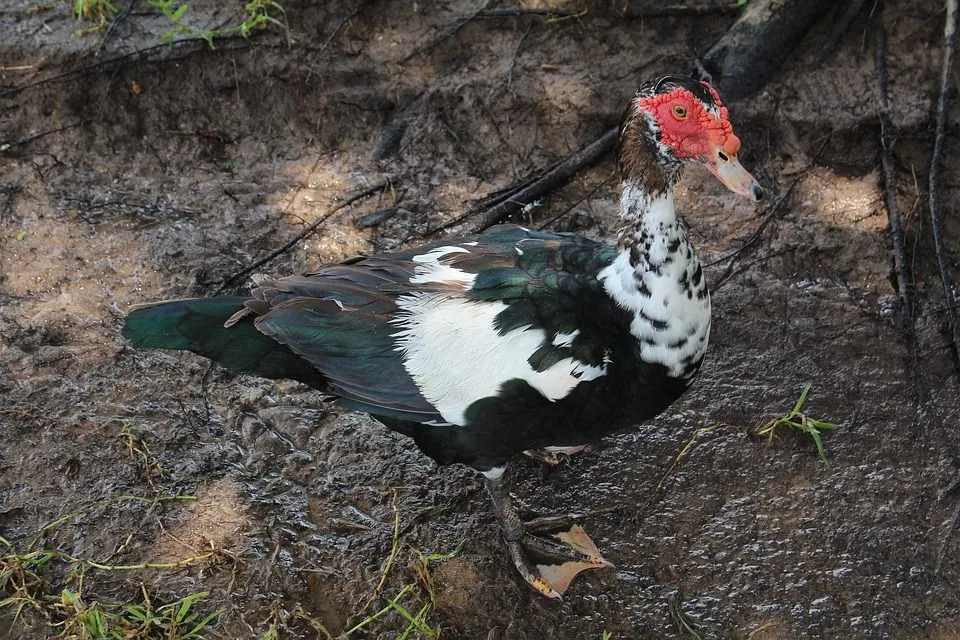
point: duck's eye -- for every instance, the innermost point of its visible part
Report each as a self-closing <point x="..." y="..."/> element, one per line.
<point x="679" y="112"/>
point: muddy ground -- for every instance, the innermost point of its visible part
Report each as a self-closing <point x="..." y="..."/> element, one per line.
<point x="178" y="167"/>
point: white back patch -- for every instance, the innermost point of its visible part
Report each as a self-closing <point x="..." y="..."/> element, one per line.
<point x="455" y="355"/>
<point x="429" y="268"/>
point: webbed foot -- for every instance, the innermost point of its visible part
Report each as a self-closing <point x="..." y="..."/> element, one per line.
<point x="548" y="552"/>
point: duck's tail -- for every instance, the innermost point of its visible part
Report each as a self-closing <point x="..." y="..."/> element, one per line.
<point x="198" y="325"/>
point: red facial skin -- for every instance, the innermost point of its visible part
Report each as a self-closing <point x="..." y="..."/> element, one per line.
<point x="698" y="134"/>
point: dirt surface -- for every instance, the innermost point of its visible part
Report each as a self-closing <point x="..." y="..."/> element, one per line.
<point x="180" y="166"/>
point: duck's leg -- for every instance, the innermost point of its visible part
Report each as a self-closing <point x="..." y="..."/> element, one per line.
<point x="548" y="552"/>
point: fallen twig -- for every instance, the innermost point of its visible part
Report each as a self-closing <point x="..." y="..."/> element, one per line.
<point x="949" y="43"/>
<point x="887" y="140"/>
<point x="341" y="25"/>
<point x="840" y="28"/>
<point x="120" y="17"/>
<point x="554" y="219"/>
<point x="6" y="146"/>
<point x="653" y="9"/>
<point x="520" y="12"/>
<point x="127" y="57"/>
<point x="556" y="177"/>
<point x="941" y="552"/>
<point x="377" y="186"/>
<point x="451" y="32"/>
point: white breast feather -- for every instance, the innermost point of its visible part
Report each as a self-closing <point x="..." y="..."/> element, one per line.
<point x="455" y="355"/>
<point x="668" y="302"/>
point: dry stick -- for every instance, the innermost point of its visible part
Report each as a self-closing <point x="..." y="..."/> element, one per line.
<point x="576" y="204"/>
<point x="379" y="185"/>
<point x="649" y="9"/>
<point x="887" y="141"/>
<point x="6" y="146"/>
<point x="127" y="57"/>
<point x="519" y="13"/>
<point x="340" y="26"/>
<point x="949" y="43"/>
<point x="758" y="43"/>
<point x="451" y="32"/>
<point x="550" y="181"/>
<point x="840" y="28"/>
<point x="113" y="25"/>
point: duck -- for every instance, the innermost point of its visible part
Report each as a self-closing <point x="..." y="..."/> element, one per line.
<point x="513" y="341"/>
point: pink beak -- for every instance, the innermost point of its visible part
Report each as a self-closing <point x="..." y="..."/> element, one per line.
<point x="731" y="173"/>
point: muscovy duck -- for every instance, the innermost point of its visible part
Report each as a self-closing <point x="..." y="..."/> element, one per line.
<point x="505" y="342"/>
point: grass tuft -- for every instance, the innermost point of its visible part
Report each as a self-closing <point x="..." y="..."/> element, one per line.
<point x="258" y="15"/>
<point x="44" y="587"/>
<point x="97" y="12"/>
<point x="796" y="419"/>
<point x="414" y="602"/>
<point x="140" y="452"/>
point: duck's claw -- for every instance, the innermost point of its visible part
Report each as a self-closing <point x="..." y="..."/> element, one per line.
<point x="548" y="552"/>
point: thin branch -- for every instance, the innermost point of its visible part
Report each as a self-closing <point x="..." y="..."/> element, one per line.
<point x="949" y="43"/>
<point x="840" y="28"/>
<point x="559" y="175"/>
<point x="451" y="32"/>
<point x="377" y="186"/>
<point x="648" y="9"/>
<point x="114" y="24"/>
<point x="339" y="27"/>
<point x="576" y="204"/>
<point x="127" y="57"/>
<point x="887" y="141"/>
<point x="6" y="146"/>
<point x="520" y="12"/>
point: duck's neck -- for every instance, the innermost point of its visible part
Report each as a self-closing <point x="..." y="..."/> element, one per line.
<point x="657" y="276"/>
<point x="647" y="219"/>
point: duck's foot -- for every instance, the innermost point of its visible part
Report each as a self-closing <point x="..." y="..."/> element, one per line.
<point x="548" y="552"/>
<point x="553" y="456"/>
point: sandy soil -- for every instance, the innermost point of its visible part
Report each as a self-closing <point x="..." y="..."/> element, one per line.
<point x="181" y="166"/>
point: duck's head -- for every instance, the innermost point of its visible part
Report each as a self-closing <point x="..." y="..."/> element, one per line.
<point x="676" y="120"/>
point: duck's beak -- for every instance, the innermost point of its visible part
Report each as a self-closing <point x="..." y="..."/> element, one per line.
<point x="730" y="172"/>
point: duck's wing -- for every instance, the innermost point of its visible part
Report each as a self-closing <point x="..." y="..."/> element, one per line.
<point x="411" y="335"/>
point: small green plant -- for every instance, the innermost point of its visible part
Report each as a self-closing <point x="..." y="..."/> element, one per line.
<point x="43" y="586"/>
<point x="798" y="420"/>
<point x="418" y="596"/>
<point x="174" y="12"/>
<point x="258" y="15"/>
<point x="178" y="620"/>
<point x="98" y="12"/>
<point x="139" y="451"/>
